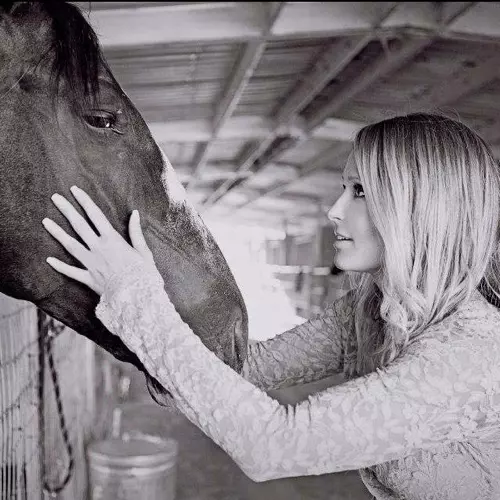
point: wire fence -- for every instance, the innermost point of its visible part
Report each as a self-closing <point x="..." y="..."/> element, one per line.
<point x="32" y="448"/>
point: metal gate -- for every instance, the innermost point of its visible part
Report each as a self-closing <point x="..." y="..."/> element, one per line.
<point x="33" y="451"/>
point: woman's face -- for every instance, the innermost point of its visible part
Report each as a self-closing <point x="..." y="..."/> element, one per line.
<point x="358" y="246"/>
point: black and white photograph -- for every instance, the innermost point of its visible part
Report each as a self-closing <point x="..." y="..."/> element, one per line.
<point x="249" y="250"/>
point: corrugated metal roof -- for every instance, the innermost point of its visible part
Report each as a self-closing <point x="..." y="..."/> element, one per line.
<point x="260" y="95"/>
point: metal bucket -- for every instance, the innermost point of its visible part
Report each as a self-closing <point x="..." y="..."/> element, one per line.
<point x="127" y="469"/>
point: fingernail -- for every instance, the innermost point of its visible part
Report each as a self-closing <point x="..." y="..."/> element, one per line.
<point x="49" y="260"/>
<point x="74" y="188"/>
<point x="45" y="221"/>
<point x="55" y="196"/>
<point x="136" y="213"/>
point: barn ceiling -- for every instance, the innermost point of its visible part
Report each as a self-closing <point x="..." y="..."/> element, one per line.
<point x="256" y="103"/>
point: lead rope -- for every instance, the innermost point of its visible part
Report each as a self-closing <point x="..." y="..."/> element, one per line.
<point x="47" y="332"/>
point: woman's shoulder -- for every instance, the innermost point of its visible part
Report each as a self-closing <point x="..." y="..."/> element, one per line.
<point x="475" y="322"/>
<point x="477" y="315"/>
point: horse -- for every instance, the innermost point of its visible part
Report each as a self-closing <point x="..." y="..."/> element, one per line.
<point x="65" y="120"/>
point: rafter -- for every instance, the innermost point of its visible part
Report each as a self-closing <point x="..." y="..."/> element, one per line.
<point x="452" y="12"/>
<point x="252" y="155"/>
<point x="465" y="81"/>
<point x="475" y="19"/>
<point x="234" y="89"/>
<point x="382" y="66"/>
<point x="336" y="155"/>
<point x="333" y="60"/>
<point x="470" y="79"/>
<point x="200" y="130"/>
<point x="247" y="128"/>
<point x="292" y="105"/>
<point x="244" y="21"/>
<point x="247" y="24"/>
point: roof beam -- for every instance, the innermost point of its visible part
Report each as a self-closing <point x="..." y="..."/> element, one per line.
<point x="234" y="89"/>
<point x="452" y="12"/>
<point x="476" y="18"/>
<point x="250" y="156"/>
<point x="162" y="23"/>
<point x="336" y="155"/>
<point x="200" y="130"/>
<point x="244" y="71"/>
<point x="427" y="15"/>
<point x="380" y="67"/>
<point x="465" y="80"/>
<point x="247" y="127"/>
<point x="323" y="71"/>
<point x="189" y="22"/>
<point x="331" y="62"/>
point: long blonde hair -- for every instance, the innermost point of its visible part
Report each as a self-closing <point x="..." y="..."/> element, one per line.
<point x="432" y="189"/>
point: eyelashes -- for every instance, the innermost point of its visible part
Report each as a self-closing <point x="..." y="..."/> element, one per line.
<point x="357" y="190"/>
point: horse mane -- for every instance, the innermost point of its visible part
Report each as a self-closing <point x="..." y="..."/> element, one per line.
<point x="75" y="52"/>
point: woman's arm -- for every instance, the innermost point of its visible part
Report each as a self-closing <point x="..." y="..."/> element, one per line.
<point x="309" y="352"/>
<point x="446" y="390"/>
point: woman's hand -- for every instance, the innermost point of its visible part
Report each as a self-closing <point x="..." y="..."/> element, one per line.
<point x="106" y="253"/>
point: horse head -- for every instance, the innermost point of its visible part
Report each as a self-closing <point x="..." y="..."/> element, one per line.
<point x="64" y="120"/>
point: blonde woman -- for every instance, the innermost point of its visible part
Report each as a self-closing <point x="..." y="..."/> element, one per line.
<point x="419" y="413"/>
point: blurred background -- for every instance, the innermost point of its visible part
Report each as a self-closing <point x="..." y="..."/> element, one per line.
<point x="256" y="105"/>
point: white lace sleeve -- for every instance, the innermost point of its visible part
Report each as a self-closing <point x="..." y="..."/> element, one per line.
<point x="309" y="352"/>
<point x="442" y="391"/>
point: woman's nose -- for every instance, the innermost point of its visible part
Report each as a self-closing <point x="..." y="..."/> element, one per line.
<point x="331" y="214"/>
<point x="335" y="212"/>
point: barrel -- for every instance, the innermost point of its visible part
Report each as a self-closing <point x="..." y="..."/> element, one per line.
<point x="129" y="469"/>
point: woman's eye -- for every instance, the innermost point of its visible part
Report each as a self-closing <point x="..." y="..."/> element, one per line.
<point x="358" y="191"/>
<point x="102" y="120"/>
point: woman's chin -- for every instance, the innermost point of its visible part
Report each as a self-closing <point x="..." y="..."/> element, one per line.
<point x="341" y="264"/>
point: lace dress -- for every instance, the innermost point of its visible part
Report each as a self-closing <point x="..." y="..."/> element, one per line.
<point x="425" y="428"/>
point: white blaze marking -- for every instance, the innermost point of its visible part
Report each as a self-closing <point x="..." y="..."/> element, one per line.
<point x="173" y="187"/>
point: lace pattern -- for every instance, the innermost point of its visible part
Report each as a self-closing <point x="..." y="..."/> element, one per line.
<point x="309" y="352"/>
<point x="396" y="423"/>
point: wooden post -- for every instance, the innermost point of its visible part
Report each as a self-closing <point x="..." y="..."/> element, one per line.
<point x="287" y="243"/>
<point x="315" y="257"/>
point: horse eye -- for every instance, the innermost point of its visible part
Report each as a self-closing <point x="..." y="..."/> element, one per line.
<point x="101" y="119"/>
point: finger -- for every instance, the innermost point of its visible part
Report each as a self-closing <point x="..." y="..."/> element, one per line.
<point x="136" y="236"/>
<point x="74" y="247"/>
<point x="81" y="275"/>
<point x="94" y="213"/>
<point x="78" y="223"/>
